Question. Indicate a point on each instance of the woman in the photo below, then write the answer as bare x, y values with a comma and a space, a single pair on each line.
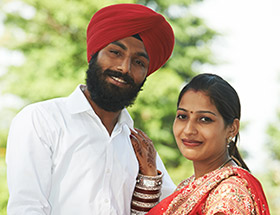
206, 129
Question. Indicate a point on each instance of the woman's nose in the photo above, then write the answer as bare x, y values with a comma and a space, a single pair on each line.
190, 128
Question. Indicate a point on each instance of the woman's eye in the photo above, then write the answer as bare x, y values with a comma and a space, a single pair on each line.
181, 116
206, 119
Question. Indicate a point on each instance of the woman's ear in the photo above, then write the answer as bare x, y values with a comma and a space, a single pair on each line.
234, 128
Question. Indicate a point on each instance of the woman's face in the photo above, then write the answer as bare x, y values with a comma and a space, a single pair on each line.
199, 128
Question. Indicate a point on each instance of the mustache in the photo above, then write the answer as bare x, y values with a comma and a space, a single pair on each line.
125, 77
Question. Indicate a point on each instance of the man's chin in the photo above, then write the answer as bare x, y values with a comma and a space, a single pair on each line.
113, 107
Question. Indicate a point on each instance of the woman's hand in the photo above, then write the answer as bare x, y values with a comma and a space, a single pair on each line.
145, 152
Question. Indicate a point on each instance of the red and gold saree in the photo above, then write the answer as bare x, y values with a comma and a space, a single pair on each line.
230, 190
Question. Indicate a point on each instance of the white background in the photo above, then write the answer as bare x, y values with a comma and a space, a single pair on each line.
250, 50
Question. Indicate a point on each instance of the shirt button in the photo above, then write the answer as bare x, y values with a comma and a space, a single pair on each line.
107, 201
108, 171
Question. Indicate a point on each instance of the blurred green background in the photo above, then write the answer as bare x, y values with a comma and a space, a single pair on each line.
49, 38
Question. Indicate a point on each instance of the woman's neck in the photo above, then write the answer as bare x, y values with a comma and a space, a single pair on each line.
203, 167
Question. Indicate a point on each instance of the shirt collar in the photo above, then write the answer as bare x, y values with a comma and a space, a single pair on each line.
125, 118
78, 103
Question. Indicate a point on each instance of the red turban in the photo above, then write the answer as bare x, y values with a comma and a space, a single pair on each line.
119, 21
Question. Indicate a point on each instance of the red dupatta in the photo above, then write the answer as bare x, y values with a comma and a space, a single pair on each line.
192, 197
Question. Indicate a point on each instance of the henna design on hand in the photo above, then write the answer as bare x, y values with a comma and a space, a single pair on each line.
151, 158
144, 151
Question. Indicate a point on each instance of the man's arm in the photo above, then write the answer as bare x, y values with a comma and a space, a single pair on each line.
28, 164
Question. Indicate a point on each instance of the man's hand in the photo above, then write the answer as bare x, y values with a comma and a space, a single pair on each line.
145, 152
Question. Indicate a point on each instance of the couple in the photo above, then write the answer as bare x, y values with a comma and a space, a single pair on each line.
81, 154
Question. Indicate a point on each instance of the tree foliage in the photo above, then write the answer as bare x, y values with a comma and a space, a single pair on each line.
274, 138
273, 175
53, 41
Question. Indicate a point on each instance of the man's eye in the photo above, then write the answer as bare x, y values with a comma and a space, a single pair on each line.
140, 63
115, 52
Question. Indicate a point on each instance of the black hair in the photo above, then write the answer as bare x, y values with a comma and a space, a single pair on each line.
137, 36
226, 100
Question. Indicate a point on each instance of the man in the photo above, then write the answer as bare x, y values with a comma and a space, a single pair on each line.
74, 155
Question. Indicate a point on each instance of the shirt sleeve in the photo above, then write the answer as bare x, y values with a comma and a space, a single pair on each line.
231, 197
168, 186
29, 163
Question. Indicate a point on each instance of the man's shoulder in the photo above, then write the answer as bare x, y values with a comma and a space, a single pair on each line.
44, 108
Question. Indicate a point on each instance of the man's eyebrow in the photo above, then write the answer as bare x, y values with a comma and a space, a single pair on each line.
119, 44
142, 54
122, 46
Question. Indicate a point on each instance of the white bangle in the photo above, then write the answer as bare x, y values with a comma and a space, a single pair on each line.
149, 182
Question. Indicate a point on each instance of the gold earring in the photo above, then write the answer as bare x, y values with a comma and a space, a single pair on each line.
229, 140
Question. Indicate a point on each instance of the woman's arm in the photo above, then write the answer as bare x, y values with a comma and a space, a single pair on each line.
148, 183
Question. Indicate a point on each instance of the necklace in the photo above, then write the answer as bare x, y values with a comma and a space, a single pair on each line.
225, 163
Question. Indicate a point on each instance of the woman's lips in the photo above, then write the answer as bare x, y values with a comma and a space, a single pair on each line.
191, 143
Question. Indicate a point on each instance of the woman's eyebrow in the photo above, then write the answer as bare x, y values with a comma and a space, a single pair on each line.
200, 111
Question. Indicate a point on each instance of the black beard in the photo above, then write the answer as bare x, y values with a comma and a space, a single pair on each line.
109, 96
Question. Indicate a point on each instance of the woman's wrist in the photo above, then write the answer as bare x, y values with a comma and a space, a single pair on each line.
149, 182
150, 172
147, 193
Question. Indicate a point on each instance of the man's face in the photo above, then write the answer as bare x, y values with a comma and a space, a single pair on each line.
117, 74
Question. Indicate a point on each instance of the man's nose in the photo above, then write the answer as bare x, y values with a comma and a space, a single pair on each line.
124, 65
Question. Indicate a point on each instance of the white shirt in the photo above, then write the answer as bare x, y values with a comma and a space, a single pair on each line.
62, 161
